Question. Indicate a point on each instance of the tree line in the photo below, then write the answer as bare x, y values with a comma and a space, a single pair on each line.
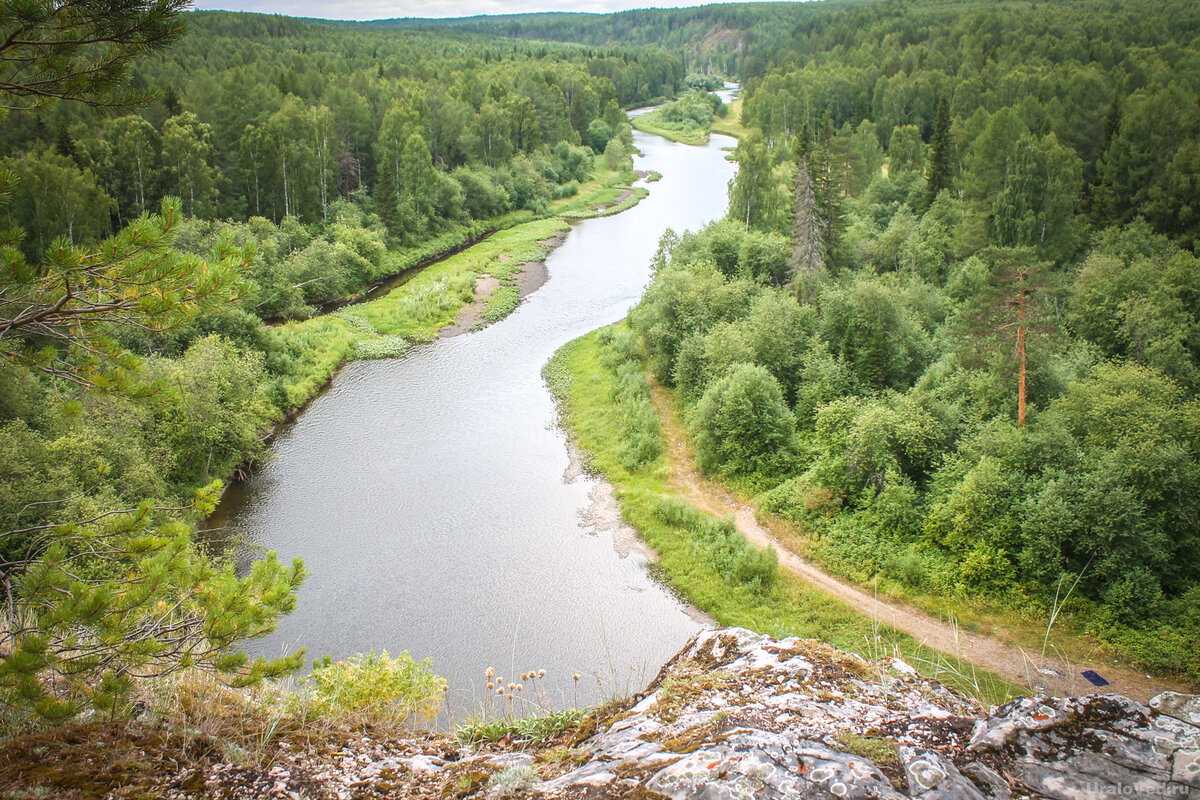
261, 117
950, 325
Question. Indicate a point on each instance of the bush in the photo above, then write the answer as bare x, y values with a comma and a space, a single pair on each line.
372, 688
742, 426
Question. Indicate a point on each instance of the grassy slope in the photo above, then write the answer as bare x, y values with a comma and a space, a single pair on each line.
652, 122
584, 387
732, 123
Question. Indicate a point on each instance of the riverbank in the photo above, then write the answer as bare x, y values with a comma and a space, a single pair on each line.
700, 555
432, 299
652, 122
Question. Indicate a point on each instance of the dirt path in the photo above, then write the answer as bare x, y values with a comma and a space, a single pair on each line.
1050, 674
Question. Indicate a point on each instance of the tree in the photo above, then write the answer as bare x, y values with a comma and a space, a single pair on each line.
749, 189
808, 228
1011, 307
906, 151
52, 197
80, 51
76, 637
135, 155
189, 154
742, 426
940, 172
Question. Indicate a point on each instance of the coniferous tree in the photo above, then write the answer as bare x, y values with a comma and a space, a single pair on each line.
808, 234
940, 173
1095, 168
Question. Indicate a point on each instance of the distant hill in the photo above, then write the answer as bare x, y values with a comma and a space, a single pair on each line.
713, 38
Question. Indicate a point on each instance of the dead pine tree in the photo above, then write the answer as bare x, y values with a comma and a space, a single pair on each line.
1019, 300
1014, 306
808, 233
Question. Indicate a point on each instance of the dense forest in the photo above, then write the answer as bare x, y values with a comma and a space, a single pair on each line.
733, 39
950, 326
272, 120
167, 208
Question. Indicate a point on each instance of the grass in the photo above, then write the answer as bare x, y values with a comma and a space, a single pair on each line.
580, 377
653, 122
731, 124
430, 301
524, 731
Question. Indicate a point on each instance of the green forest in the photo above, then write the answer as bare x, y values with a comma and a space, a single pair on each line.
950, 327
950, 324
182, 208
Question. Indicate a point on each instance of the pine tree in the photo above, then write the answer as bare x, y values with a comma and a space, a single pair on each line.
92, 605
80, 51
808, 234
1099, 197
940, 173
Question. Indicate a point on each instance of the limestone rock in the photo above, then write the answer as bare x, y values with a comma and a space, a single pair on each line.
738, 715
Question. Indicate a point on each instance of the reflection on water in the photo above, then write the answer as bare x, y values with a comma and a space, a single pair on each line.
426, 494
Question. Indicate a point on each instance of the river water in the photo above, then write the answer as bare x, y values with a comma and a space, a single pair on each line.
427, 497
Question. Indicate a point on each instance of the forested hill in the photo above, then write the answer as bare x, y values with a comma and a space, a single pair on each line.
434, 135
731, 39
959, 286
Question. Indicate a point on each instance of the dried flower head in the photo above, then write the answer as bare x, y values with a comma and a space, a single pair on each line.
541, 673
575, 676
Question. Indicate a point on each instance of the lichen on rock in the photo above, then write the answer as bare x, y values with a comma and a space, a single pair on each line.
762, 718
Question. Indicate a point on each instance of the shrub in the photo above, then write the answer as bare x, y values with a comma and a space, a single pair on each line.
743, 427
373, 689
718, 543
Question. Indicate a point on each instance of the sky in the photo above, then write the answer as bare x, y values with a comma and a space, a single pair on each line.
387, 9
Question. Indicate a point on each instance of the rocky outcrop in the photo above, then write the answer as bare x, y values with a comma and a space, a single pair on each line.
738, 715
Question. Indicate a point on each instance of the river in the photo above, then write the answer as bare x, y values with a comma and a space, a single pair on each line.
427, 497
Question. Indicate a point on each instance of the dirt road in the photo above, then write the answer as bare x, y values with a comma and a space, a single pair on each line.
1050, 674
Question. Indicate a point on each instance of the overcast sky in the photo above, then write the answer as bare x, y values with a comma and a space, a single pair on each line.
387, 9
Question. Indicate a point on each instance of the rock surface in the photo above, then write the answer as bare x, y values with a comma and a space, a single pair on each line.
734, 715
738, 715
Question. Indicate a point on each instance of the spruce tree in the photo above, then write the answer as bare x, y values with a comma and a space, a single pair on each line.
940, 173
